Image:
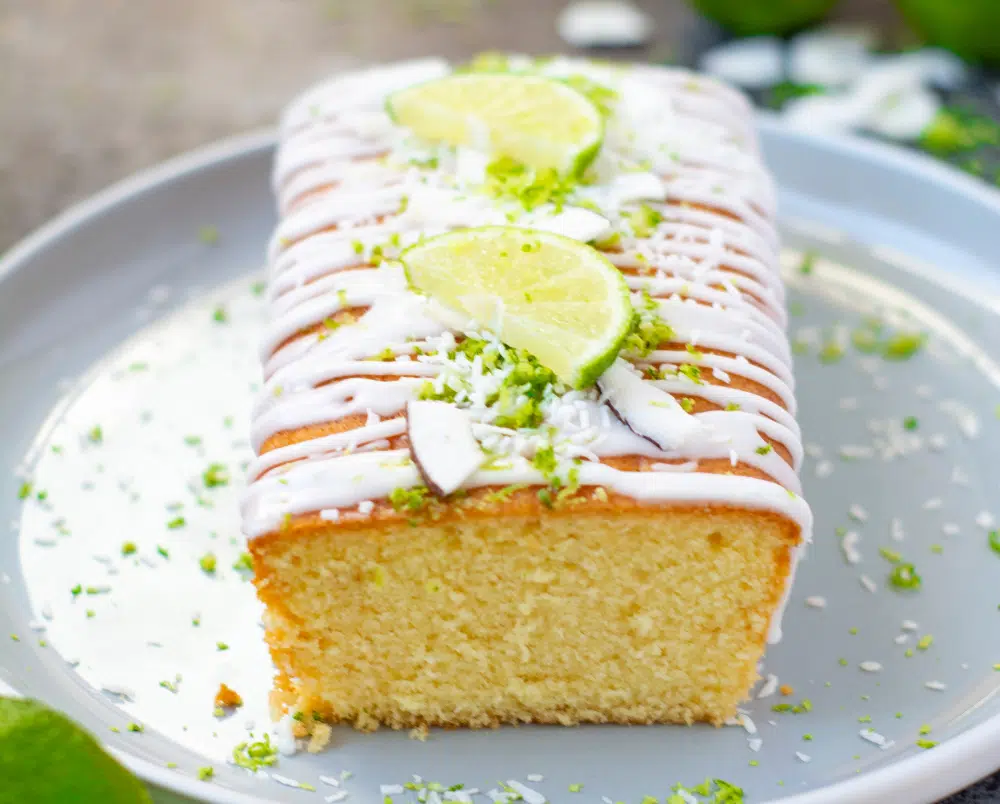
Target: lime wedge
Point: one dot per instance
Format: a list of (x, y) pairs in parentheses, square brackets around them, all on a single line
[(46, 758), (541, 122), (557, 298)]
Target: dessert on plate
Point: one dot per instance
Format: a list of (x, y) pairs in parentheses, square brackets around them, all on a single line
[(527, 448)]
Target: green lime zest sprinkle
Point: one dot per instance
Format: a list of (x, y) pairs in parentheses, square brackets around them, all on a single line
[(545, 460), (414, 499), (910, 423), (925, 642), (136, 727), (890, 555), (904, 576), (687, 404), (764, 450), (192, 440), (865, 719), (221, 646), (545, 497), (215, 475), (209, 235), (76, 590), (807, 737), (576, 787), (255, 755), (25, 491), (782, 93), (925, 744), (644, 220), (169, 686), (244, 562), (258, 287), (176, 522), (128, 548), (648, 332), (205, 773), (831, 352), (925, 729), (510, 180), (138, 366), (219, 315), (207, 562), (95, 435), (808, 263), (162, 551), (904, 345), (994, 541), (505, 493)]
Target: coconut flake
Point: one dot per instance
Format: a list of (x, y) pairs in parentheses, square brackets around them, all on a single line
[(649, 412), (755, 744), (816, 602), (849, 545), (769, 687), (573, 222), (868, 584), (444, 450), (527, 794), (875, 738), (803, 757), (603, 23), (870, 667), (937, 686), (754, 63)]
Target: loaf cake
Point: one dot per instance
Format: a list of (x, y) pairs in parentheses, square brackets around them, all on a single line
[(578, 570)]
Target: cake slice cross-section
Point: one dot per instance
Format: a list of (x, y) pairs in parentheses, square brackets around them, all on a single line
[(443, 531)]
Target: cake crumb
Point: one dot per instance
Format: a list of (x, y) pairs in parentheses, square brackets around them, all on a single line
[(420, 733), (226, 696), (320, 737)]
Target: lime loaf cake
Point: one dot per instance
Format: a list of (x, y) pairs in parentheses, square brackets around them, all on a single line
[(527, 448)]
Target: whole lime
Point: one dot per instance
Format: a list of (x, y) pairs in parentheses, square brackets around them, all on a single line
[(971, 28), (755, 17), (45, 758)]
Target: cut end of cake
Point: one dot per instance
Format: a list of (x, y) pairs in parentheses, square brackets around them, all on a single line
[(604, 615)]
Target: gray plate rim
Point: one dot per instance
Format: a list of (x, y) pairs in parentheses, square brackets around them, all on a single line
[(953, 765)]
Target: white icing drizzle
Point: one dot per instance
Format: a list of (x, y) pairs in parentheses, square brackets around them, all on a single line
[(351, 186)]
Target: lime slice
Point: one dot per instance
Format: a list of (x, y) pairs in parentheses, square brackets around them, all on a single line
[(557, 298), (46, 758), (540, 122)]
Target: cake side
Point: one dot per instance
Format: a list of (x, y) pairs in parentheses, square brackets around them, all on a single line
[(603, 611), (675, 562)]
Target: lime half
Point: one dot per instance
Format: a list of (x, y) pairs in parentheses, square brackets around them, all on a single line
[(557, 298), (540, 122), (45, 758)]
